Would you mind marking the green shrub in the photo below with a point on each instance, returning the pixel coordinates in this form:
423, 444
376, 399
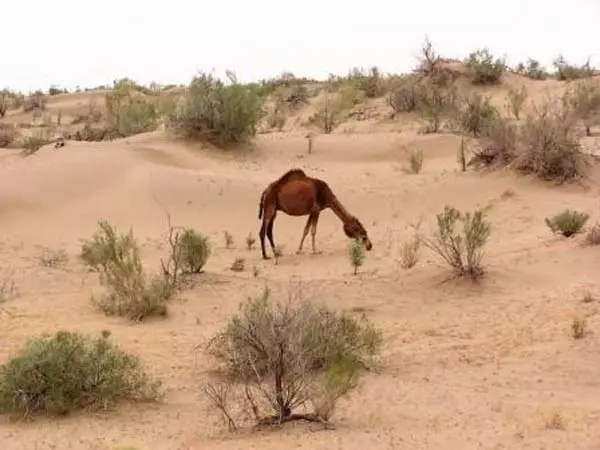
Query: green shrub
568, 223
356, 254
483, 68
128, 111
34, 142
195, 250
462, 251
130, 292
475, 113
219, 113
404, 97
568, 72
368, 82
533, 69
67, 371
293, 353
436, 104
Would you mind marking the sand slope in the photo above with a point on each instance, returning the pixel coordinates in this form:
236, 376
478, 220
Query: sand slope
465, 366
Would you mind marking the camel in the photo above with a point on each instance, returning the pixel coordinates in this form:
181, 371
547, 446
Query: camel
297, 194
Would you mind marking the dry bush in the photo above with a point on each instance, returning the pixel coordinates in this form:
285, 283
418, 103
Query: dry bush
356, 254
593, 235
37, 100
8, 288
404, 96
409, 253
250, 241
583, 99
578, 327
568, 72
238, 265
437, 103
328, 114
370, 82
567, 223
415, 161
127, 111
515, 100
293, 353
67, 371
53, 258
219, 113
130, 292
549, 145
228, 239
8, 134
462, 251
532, 69
4, 102
475, 113
33, 142
484, 68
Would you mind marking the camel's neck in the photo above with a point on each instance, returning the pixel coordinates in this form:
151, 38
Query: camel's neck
339, 210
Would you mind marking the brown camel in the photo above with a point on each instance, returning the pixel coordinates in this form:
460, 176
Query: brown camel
297, 194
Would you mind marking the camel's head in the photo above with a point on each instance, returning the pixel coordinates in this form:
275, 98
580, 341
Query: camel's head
355, 230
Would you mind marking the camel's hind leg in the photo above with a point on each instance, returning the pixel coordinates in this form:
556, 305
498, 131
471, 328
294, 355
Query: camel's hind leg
267, 229
270, 232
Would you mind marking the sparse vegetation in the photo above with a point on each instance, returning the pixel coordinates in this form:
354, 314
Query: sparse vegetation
583, 99
566, 71
475, 114
250, 241
53, 258
130, 292
532, 69
593, 235
409, 253
356, 254
515, 99
238, 265
228, 239
37, 100
437, 103
33, 142
216, 112
293, 354
462, 251
567, 223
484, 68
415, 161
128, 111
67, 371
578, 327
8, 288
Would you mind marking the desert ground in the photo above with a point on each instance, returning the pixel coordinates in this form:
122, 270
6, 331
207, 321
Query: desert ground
486, 365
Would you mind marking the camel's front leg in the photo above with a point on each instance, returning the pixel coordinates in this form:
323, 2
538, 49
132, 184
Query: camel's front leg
304, 234
313, 233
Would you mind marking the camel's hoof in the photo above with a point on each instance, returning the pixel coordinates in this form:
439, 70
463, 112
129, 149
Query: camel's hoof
317, 252
266, 257
299, 252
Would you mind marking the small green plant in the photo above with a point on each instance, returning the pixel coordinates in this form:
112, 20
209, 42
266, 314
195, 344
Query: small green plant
128, 111
130, 292
415, 161
291, 354
515, 100
195, 250
463, 252
228, 239
67, 371
578, 327
568, 223
356, 254
250, 241
437, 103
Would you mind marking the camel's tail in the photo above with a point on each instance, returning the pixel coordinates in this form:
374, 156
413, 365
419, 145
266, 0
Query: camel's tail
261, 205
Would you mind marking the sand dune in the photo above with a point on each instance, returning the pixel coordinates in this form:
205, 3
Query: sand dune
465, 366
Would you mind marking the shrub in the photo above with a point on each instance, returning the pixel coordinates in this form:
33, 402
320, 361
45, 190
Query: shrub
409, 253
568, 223
578, 327
368, 82
550, 145
250, 241
437, 103
567, 72
475, 113
515, 100
195, 250
54, 90
405, 96
219, 113
356, 254
291, 353
583, 99
8, 134
68, 371
463, 252
129, 112
4, 102
415, 161
593, 235
327, 115
533, 69
34, 142
484, 69
37, 100
131, 293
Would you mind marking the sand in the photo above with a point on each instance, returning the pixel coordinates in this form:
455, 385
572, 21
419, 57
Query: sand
464, 366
